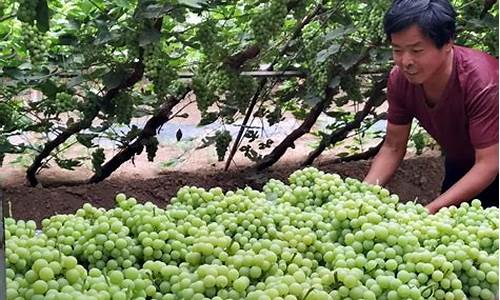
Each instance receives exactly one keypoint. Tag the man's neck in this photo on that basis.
(435, 86)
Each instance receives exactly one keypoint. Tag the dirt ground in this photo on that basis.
(418, 177)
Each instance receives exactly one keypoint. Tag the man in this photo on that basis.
(452, 91)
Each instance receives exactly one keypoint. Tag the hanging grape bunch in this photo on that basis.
(268, 21)
(351, 86)
(222, 140)
(205, 96)
(207, 37)
(5, 115)
(151, 147)
(317, 81)
(62, 102)
(123, 107)
(27, 10)
(157, 69)
(237, 89)
(35, 42)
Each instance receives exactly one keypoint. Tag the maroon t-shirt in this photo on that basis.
(466, 118)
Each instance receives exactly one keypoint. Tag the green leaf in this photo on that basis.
(208, 118)
(77, 80)
(14, 73)
(86, 139)
(68, 164)
(68, 39)
(337, 32)
(348, 60)
(113, 79)
(103, 35)
(148, 36)
(312, 99)
(49, 88)
(42, 16)
(153, 11)
(334, 83)
(193, 3)
(336, 114)
(122, 3)
(171, 163)
(324, 54)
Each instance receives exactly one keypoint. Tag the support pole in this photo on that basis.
(3, 277)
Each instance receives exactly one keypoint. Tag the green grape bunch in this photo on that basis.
(151, 147)
(205, 95)
(158, 71)
(317, 81)
(62, 102)
(351, 86)
(27, 11)
(6, 114)
(268, 21)
(123, 107)
(98, 158)
(2, 9)
(36, 43)
(222, 140)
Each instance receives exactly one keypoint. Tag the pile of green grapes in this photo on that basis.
(317, 237)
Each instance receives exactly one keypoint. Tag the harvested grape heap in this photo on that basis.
(318, 237)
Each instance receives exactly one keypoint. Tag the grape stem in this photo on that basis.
(307, 294)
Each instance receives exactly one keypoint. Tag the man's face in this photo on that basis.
(416, 55)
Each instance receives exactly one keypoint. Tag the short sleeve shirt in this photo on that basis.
(465, 118)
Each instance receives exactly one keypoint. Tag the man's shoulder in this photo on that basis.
(475, 67)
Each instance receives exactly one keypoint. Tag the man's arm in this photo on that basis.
(390, 155)
(478, 178)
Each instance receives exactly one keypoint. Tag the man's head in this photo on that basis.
(436, 19)
(421, 33)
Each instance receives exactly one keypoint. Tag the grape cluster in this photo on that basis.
(157, 69)
(27, 10)
(5, 114)
(317, 81)
(2, 9)
(225, 85)
(35, 42)
(268, 21)
(62, 102)
(205, 95)
(351, 87)
(151, 147)
(239, 91)
(123, 107)
(222, 140)
(98, 158)
(318, 236)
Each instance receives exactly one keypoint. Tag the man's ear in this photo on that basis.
(448, 46)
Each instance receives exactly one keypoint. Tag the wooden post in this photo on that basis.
(3, 277)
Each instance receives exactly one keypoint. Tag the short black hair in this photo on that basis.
(436, 18)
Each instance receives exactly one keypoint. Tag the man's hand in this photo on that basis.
(433, 207)
(390, 154)
(478, 178)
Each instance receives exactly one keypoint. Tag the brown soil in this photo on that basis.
(417, 178)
